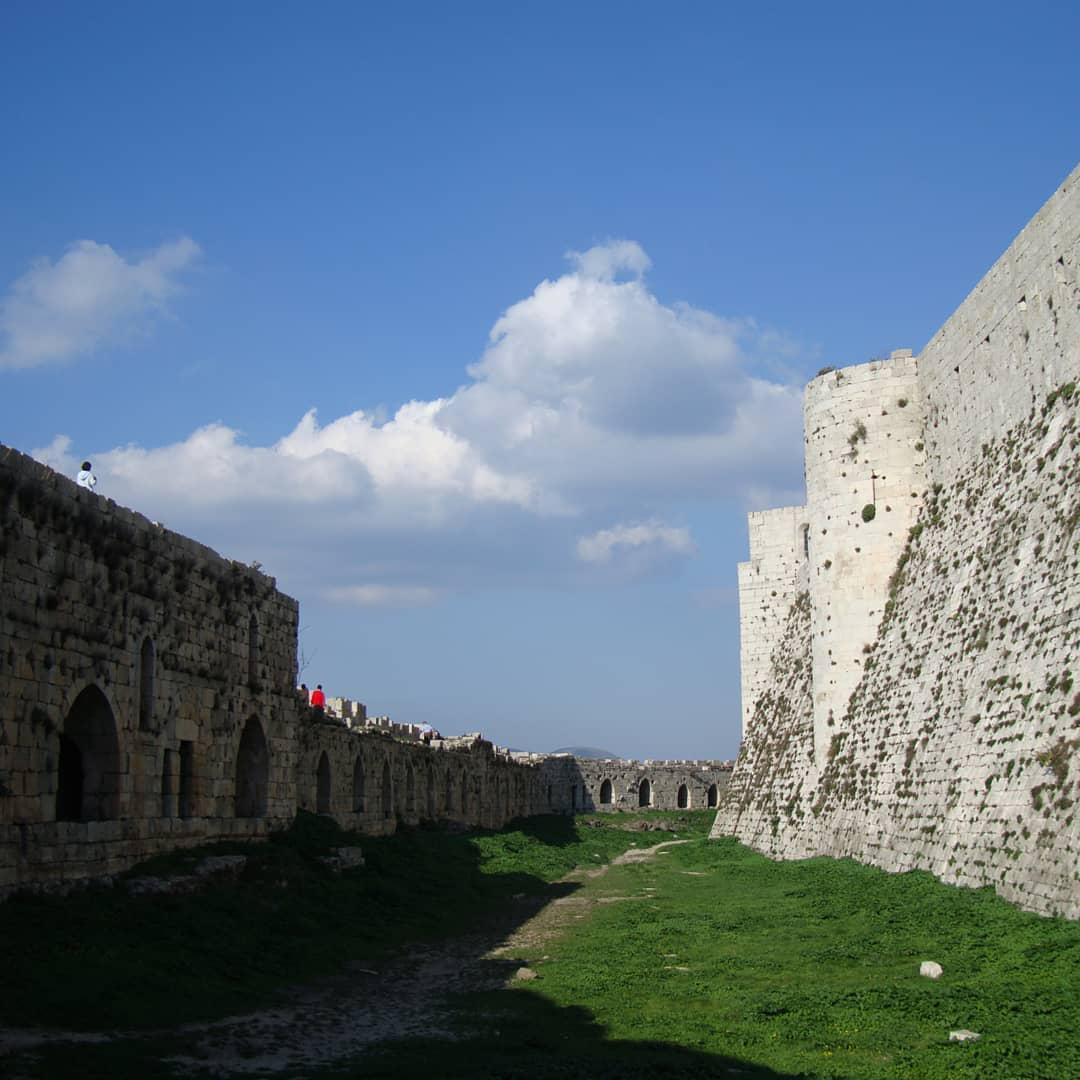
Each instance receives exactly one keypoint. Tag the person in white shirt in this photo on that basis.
(86, 478)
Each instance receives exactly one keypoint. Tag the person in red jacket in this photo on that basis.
(318, 698)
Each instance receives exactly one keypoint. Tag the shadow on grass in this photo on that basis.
(103, 959)
(520, 1033)
(425, 912)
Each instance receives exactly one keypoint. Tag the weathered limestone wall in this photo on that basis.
(369, 781)
(863, 425)
(775, 768)
(570, 785)
(957, 748)
(768, 583)
(1015, 339)
(141, 655)
(148, 701)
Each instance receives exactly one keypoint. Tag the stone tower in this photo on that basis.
(864, 483)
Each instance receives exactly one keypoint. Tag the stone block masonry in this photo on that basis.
(920, 707)
(570, 785)
(148, 701)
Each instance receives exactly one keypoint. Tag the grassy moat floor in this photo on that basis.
(549, 949)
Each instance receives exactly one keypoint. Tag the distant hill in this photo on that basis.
(591, 752)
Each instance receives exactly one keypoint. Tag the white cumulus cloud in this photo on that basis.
(648, 536)
(89, 296)
(593, 402)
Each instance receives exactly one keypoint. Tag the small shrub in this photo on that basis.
(869, 512)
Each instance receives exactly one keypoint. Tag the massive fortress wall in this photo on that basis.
(147, 701)
(919, 709)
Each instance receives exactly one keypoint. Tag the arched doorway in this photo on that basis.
(322, 785)
(410, 790)
(252, 771)
(449, 792)
(684, 797)
(88, 787)
(358, 786)
(431, 793)
(605, 793)
(711, 797)
(644, 793)
(464, 793)
(387, 792)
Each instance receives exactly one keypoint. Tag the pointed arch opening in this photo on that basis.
(252, 771)
(88, 787)
(431, 811)
(449, 804)
(410, 790)
(322, 785)
(605, 793)
(711, 796)
(684, 797)
(644, 795)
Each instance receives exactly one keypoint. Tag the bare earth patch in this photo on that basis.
(339, 1018)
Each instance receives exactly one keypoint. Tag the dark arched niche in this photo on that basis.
(711, 797)
(605, 793)
(644, 795)
(88, 787)
(684, 797)
(322, 785)
(252, 771)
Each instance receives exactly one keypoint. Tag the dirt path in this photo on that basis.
(340, 1017)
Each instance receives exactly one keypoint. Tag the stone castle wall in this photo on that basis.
(147, 701)
(769, 581)
(956, 722)
(568, 785)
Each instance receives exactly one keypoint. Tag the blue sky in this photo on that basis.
(481, 326)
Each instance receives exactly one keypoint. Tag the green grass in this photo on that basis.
(804, 969)
(103, 959)
(717, 959)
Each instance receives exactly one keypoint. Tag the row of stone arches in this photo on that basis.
(646, 795)
(90, 777)
(461, 794)
(89, 771)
